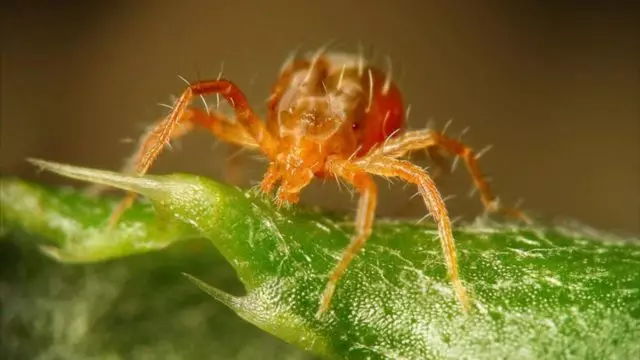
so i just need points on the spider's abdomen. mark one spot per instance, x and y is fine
(383, 115)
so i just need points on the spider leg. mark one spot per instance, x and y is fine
(244, 116)
(364, 222)
(236, 160)
(271, 176)
(430, 140)
(390, 167)
(442, 165)
(153, 141)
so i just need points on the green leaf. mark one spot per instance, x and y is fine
(537, 292)
(136, 307)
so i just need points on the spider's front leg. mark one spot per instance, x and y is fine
(247, 130)
(432, 141)
(364, 222)
(389, 167)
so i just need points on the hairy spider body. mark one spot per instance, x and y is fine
(324, 107)
(329, 115)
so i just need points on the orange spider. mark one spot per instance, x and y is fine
(329, 115)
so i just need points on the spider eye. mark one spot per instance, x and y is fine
(355, 126)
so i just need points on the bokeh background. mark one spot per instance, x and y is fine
(554, 86)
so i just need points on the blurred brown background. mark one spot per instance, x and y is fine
(553, 85)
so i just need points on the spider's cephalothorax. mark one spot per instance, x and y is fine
(326, 106)
(329, 115)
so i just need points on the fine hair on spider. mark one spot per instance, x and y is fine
(329, 115)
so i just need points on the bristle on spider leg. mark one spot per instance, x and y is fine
(204, 102)
(484, 150)
(338, 182)
(390, 136)
(414, 195)
(236, 153)
(449, 197)
(184, 80)
(218, 79)
(454, 164)
(352, 193)
(422, 219)
(170, 107)
(220, 71)
(456, 220)
(404, 186)
(355, 153)
(389, 183)
(169, 146)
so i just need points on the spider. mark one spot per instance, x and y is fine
(330, 114)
